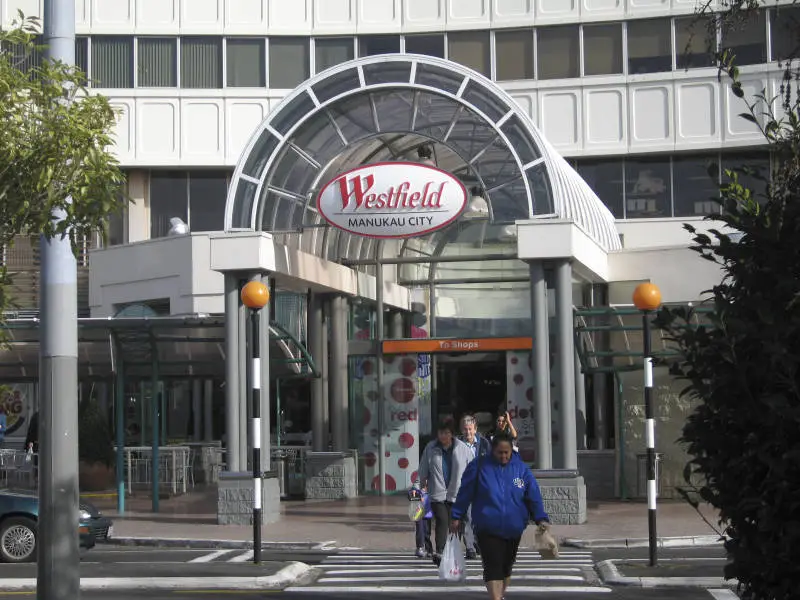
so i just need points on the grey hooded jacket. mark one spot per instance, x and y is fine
(432, 474)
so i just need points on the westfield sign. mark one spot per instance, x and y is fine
(392, 200)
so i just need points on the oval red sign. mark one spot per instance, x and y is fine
(392, 200)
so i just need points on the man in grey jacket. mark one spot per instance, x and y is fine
(440, 469)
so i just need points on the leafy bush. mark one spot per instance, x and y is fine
(744, 437)
(95, 441)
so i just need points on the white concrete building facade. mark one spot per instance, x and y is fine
(586, 127)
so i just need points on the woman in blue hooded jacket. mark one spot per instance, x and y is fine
(504, 497)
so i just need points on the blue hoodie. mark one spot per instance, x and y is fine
(504, 500)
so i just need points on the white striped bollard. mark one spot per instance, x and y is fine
(647, 298)
(255, 296)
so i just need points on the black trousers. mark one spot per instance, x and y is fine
(441, 523)
(498, 556)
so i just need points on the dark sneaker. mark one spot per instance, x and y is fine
(437, 560)
(471, 555)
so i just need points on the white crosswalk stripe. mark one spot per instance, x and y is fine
(395, 573)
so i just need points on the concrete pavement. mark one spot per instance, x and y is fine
(373, 523)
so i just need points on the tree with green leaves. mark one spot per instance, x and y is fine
(744, 368)
(55, 141)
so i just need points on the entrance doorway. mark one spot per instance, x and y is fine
(472, 383)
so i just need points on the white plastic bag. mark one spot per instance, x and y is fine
(546, 543)
(453, 567)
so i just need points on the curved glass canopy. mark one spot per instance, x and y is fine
(385, 108)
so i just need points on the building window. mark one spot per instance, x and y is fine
(784, 30)
(748, 41)
(157, 60)
(372, 45)
(82, 53)
(207, 194)
(329, 52)
(427, 45)
(115, 228)
(471, 49)
(23, 57)
(514, 55)
(557, 52)
(201, 62)
(245, 62)
(605, 178)
(602, 49)
(695, 42)
(647, 188)
(649, 46)
(112, 61)
(288, 62)
(168, 199)
(695, 188)
(757, 163)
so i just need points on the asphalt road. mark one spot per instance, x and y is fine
(395, 576)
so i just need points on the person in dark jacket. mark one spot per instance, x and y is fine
(504, 497)
(480, 446)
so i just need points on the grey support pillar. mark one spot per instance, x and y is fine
(208, 410)
(565, 353)
(232, 372)
(244, 391)
(541, 367)
(316, 333)
(197, 410)
(599, 412)
(57, 576)
(396, 325)
(338, 375)
(265, 397)
(325, 373)
(580, 402)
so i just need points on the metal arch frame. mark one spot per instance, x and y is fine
(414, 60)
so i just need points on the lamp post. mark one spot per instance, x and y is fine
(647, 298)
(255, 296)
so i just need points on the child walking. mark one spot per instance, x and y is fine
(422, 524)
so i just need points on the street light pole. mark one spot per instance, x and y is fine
(57, 569)
(255, 296)
(647, 298)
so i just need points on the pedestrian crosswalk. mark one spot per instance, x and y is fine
(357, 572)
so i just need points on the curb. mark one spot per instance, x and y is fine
(610, 575)
(292, 573)
(698, 541)
(218, 544)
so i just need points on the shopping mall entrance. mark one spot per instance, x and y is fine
(472, 383)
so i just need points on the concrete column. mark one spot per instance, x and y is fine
(565, 356)
(338, 375)
(599, 401)
(197, 410)
(396, 325)
(208, 410)
(316, 333)
(232, 391)
(244, 391)
(541, 367)
(265, 396)
(325, 373)
(580, 403)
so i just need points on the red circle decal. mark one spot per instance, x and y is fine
(408, 367)
(403, 390)
(391, 484)
(402, 463)
(406, 440)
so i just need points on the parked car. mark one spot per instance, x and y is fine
(19, 514)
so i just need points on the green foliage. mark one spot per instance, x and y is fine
(54, 147)
(95, 441)
(744, 436)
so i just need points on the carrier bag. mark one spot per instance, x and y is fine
(546, 544)
(453, 567)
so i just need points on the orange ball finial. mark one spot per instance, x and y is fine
(647, 296)
(255, 295)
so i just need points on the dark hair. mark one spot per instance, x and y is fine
(500, 438)
(447, 424)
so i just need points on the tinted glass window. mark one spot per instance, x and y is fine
(602, 49)
(168, 199)
(207, 193)
(695, 42)
(201, 62)
(605, 178)
(329, 52)
(428, 45)
(557, 52)
(288, 62)
(757, 162)
(649, 46)
(695, 189)
(514, 55)
(371, 45)
(647, 188)
(157, 62)
(748, 42)
(112, 61)
(784, 32)
(245, 62)
(471, 49)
